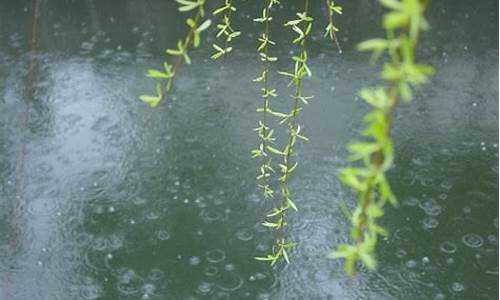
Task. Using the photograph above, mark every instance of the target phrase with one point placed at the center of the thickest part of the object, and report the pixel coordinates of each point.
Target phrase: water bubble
(163, 235)
(132, 221)
(194, 261)
(467, 210)
(457, 287)
(426, 260)
(448, 247)
(215, 256)
(450, 260)
(472, 240)
(109, 256)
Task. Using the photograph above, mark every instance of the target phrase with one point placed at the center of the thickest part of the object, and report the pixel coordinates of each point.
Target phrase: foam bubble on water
(448, 247)
(472, 240)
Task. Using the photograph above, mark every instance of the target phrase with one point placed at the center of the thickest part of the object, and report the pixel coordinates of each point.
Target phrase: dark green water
(102, 197)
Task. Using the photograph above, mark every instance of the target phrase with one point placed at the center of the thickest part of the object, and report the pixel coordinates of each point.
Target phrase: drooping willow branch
(225, 29)
(277, 219)
(166, 77)
(264, 132)
(331, 29)
(402, 23)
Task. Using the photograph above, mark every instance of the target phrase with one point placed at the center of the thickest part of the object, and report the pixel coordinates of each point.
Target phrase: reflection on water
(102, 197)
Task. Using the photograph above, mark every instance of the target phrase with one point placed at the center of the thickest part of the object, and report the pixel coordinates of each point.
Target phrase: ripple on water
(448, 247)
(163, 235)
(205, 288)
(194, 261)
(215, 256)
(90, 292)
(211, 271)
(244, 234)
(230, 282)
(472, 240)
(430, 223)
(129, 283)
(456, 287)
(431, 207)
(156, 274)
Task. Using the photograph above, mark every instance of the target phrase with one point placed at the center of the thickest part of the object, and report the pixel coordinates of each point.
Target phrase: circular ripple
(244, 235)
(472, 240)
(215, 256)
(163, 235)
(457, 287)
(430, 223)
(129, 283)
(448, 247)
(230, 282)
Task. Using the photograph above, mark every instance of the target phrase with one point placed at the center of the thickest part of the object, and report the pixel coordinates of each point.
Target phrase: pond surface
(102, 197)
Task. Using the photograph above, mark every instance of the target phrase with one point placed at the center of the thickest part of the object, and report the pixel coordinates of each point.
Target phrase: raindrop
(448, 247)
(426, 260)
(111, 209)
(450, 260)
(472, 240)
(194, 261)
